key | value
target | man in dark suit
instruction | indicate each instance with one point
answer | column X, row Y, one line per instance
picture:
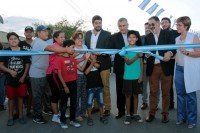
column 159, row 70
column 118, row 41
column 99, row 38
column 145, row 78
column 166, row 25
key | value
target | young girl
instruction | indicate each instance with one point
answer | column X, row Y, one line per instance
column 16, row 69
column 52, row 75
column 67, row 73
column 133, row 73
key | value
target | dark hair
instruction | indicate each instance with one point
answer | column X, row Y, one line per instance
column 68, row 43
column 155, row 18
column 147, row 23
column 96, row 17
column 1, row 46
column 130, row 32
column 12, row 34
column 56, row 34
column 166, row 18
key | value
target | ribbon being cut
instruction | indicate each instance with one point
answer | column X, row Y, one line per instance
column 140, row 49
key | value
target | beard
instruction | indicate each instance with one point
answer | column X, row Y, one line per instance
column 97, row 29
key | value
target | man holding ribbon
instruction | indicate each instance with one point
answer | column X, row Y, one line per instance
column 159, row 70
column 99, row 38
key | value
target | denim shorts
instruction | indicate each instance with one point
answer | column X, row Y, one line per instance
column 95, row 93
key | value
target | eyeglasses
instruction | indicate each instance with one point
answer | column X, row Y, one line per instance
column 152, row 24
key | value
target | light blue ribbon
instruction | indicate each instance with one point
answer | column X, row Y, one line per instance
column 140, row 49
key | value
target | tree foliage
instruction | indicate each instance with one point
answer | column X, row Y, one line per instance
column 67, row 27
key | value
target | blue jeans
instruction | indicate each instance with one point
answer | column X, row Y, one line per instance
column 186, row 102
column 2, row 89
column 98, row 94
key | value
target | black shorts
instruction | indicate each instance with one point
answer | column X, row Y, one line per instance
column 132, row 87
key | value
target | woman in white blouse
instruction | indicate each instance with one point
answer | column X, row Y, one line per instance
column 187, row 74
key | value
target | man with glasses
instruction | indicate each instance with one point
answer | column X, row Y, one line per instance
column 159, row 70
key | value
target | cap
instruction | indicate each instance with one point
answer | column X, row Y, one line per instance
column 41, row 28
column 28, row 28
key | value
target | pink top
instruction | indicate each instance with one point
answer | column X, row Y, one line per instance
column 52, row 59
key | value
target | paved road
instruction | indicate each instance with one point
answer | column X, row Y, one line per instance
column 114, row 126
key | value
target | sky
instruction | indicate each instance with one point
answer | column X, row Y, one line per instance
column 19, row 13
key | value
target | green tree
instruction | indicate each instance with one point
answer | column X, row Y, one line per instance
column 66, row 26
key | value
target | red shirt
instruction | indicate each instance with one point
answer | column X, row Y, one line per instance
column 52, row 60
column 68, row 67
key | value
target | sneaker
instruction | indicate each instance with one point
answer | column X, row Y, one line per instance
column 75, row 124
column 144, row 106
column 137, row 118
column 104, row 120
column 90, row 122
column 55, row 118
column 47, row 112
column 63, row 125
column 127, row 120
column 39, row 120
column 66, row 115
column 79, row 119
column 2, row 108
column 191, row 126
column 10, row 122
column 22, row 120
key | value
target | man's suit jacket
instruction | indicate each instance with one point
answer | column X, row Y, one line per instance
column 165, row 37
column 103, row 43
column 117, row 42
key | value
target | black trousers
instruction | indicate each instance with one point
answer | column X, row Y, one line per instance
column 64, row 99
column 121, row 100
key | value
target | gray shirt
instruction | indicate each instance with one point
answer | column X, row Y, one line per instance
column 39, row 62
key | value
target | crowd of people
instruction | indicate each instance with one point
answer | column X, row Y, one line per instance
column 44, row 83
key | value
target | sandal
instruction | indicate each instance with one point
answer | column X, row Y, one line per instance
column 103, row 120
column 90, row 122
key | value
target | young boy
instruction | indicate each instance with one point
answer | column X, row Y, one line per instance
column 67, row 73
column 16, row 68
column 133, row 72
column 94, row 88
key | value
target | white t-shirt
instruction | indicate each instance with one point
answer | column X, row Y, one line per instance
column 93, row 41
column 40, row 63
